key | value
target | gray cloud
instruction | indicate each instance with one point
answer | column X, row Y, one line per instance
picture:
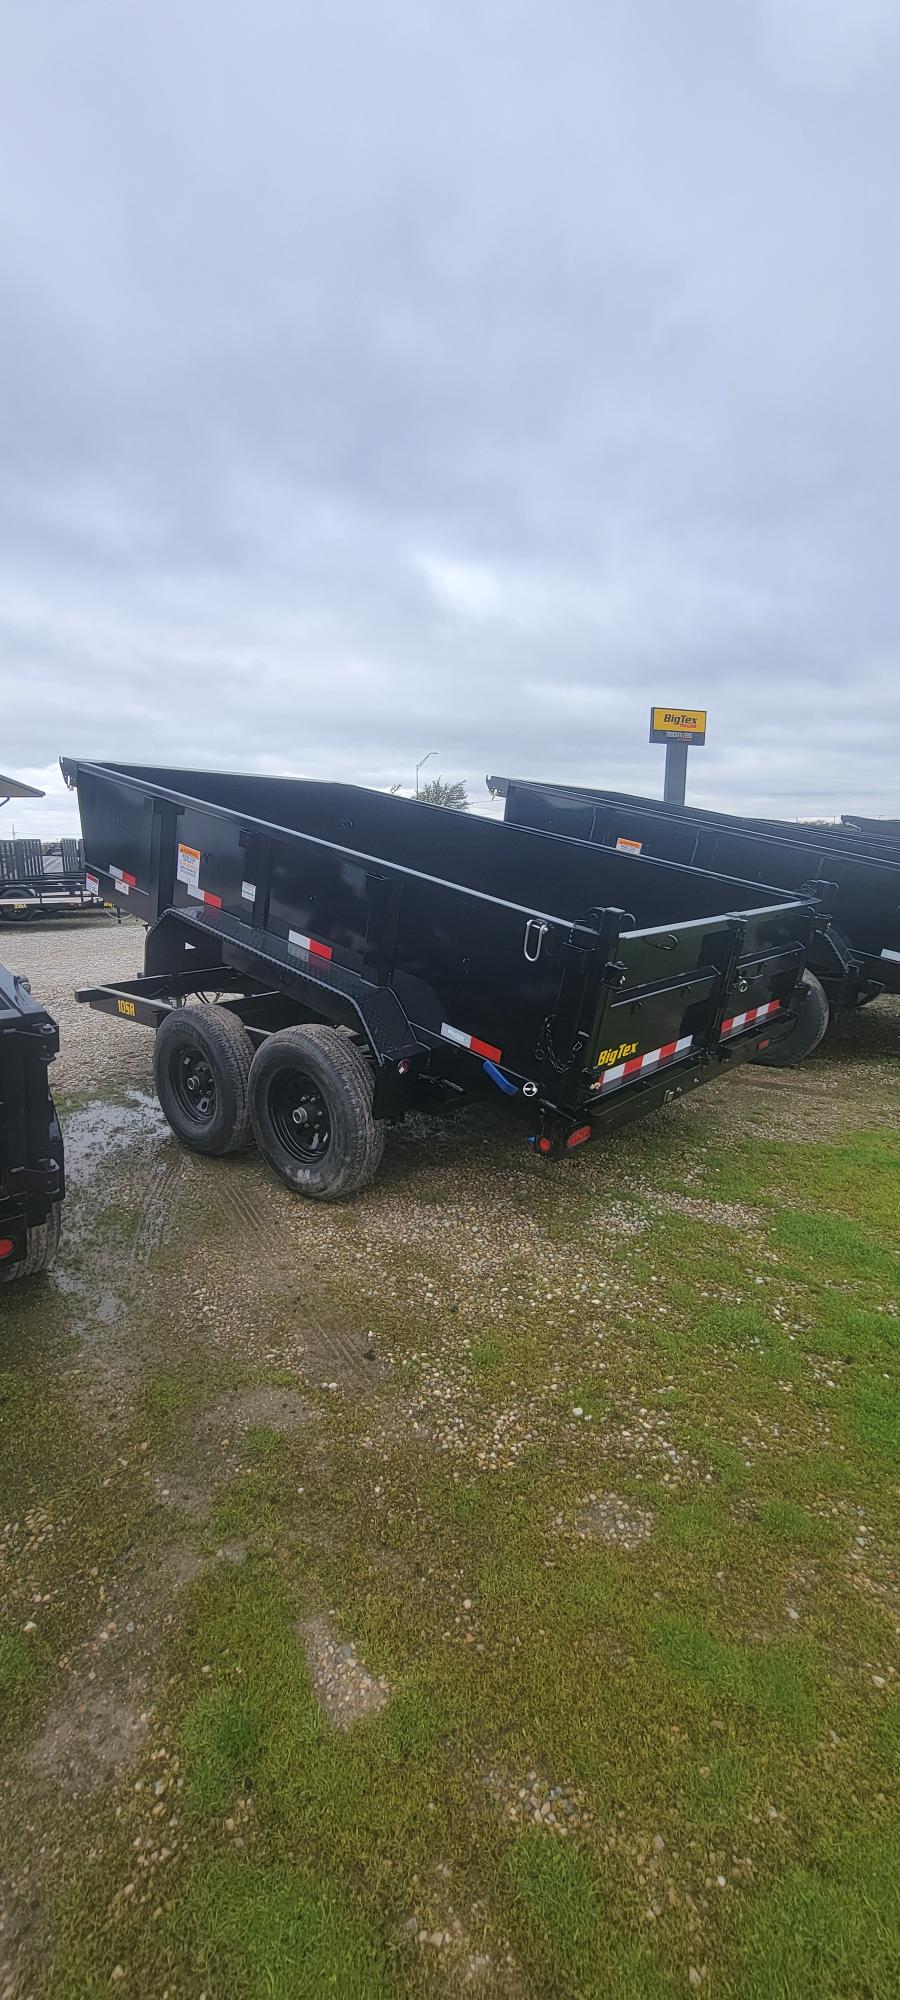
column 390, row 376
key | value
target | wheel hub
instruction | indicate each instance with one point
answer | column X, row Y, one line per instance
column 299, row 1115
column 194, row 1084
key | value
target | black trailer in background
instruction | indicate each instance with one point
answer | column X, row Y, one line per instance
column 855, row 957
column 36, row 883
column 31, row 1151
column 877, row 829
column 374, row 953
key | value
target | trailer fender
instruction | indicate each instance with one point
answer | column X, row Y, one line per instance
column 813, row 1015
column 330, row 992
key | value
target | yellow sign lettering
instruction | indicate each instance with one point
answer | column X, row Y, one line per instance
column 608, row 1057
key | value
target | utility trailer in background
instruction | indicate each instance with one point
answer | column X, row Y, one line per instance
column 368, row 954
column 34, row 883
column 855, row 957
column 31, row 1150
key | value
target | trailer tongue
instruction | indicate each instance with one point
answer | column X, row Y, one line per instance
column 372, row 953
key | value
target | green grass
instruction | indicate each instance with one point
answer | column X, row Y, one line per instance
column 738, row 1762
column 17, row 1664
column 572, row 1928
column 221, row 1741
column 775, row 1685
column 832, row 1928
column 272, row 1932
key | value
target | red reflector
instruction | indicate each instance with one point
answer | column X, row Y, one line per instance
column 545, row 1145
column 485, row 1049
column 7, row 1246
column 215, row 901
column 130, row 879
column 765, row 1043
column 577, row 1138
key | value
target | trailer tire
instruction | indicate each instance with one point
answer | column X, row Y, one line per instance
column 41, row 1246
column 201, row 1066
column 807, row 1031
column 22, row 895
column 311, row 1110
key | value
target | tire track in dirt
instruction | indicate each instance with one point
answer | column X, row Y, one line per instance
column 156, row 1209
column 245, row 1204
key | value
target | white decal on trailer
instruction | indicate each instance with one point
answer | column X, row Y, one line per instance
column 188, row 864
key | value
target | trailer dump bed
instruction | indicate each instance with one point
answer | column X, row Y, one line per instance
column 877, row 829
column 31, row 1151
column 458, row 952
column 856, row 956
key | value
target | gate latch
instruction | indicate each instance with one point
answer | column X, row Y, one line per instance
column 533, row 941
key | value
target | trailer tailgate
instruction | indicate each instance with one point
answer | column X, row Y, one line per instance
column 696, row 993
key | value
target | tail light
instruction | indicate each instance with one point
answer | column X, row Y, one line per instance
column 578, row 1137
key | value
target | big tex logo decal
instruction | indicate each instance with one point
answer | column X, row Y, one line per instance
column 608, row 1057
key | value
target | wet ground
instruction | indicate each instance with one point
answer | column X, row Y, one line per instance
column 217, row 1375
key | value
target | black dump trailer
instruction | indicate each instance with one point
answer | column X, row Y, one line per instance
column 854, row 957
column 858, row 836
column 369, row 954
column 31, row 1150
column 876, row 829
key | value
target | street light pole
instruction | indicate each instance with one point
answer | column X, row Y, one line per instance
column 423, row 760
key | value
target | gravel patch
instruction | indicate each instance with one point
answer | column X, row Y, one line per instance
column 95, row 1050
column 605, row 1517
column 731, row 1214
column 346, row 1691
column 457, row 1941
column 534, row 1801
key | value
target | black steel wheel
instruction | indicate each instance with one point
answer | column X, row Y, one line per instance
column 812, row 1020
column 201, row 1063
column 311, row 1111
column 28, row 897
column 299, row 1116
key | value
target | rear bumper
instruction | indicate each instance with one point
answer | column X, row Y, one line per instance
column 662, row 1081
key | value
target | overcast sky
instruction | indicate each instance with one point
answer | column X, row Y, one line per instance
column 389, row 375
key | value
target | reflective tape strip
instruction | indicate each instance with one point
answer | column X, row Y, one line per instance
column 753, row 1014
column 471, row 1042
column 639, row 1065
column 894, row 955
column 203, row 896
column 123, row 878
column 312, row 945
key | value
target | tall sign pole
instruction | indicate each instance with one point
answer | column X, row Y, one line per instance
column 677, row 728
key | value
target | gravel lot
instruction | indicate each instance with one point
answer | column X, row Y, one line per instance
column 59, row 956
column 522, row 1531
